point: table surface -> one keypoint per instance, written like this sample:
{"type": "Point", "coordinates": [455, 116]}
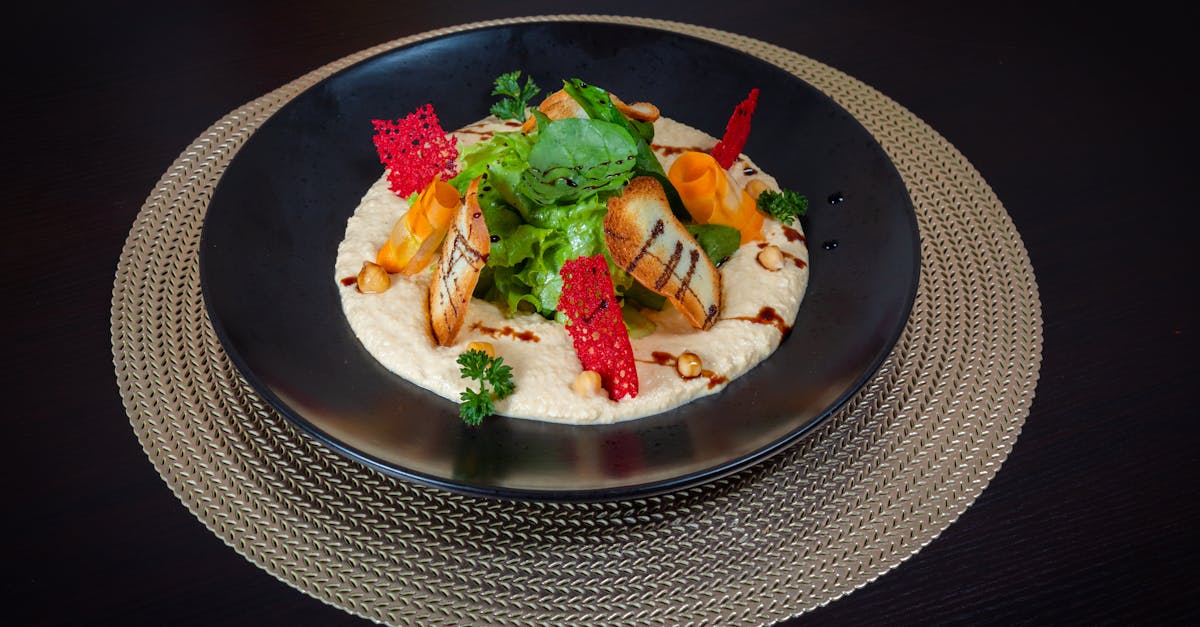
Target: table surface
{"type": "Point", "coordinates": [1076, 119]}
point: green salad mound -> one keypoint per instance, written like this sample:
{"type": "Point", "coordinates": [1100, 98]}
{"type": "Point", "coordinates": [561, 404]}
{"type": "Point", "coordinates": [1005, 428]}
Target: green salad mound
{"type": "Point", "coordinates": [544, 197]}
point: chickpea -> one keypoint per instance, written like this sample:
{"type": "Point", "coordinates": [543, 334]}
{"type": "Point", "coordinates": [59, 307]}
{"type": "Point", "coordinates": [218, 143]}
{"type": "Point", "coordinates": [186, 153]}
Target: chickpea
{"type": "Point", "coordinates": [688, 365]}
{"type": "Point", "coordinates": [483, 347]}
{"type": "Point", "coordinates": [755, 187]}
{"type": "Point", "coordinates": [373, 279]}
{"type": "Point", "coordinates": [586, 383]}
{"type": "Point", "coordinates": [770, 258]}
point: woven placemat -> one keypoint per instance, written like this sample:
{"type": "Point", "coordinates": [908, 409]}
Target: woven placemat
{"type": "Point", "coordinates": [876, 482]}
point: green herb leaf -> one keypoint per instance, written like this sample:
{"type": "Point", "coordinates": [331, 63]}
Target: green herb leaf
{"type": "Point", "coordinates": [489, 371]}
{"type": "Point", "coordinates": [475, 406]}
{"type": "Point", "coordinates": [500, 376]}
{"type": "Point", "coordinates": [718, 241]}
{"type": "Point", "coordinates": [474, 364]}
{"type": "Point", "coordinates": [784, 206]}
{"type": "Point", "coordinates": [516, 97]}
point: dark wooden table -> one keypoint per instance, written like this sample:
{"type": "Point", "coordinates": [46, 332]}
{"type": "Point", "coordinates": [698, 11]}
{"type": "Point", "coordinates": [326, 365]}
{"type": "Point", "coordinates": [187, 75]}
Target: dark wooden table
{"type": "Point", "coordinates": [1078, 119]}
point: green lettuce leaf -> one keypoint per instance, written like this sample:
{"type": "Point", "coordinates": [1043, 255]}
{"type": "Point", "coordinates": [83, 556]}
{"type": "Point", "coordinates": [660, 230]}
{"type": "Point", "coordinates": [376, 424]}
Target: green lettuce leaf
{"type": "Point", "coordinates": [577, 157]}
{"type": "Point", "coordinates": [544, 197]}
{"type": "Point", "coordinates": [599, 106]}
{"type": "Point", "coordinates": [511, 149]}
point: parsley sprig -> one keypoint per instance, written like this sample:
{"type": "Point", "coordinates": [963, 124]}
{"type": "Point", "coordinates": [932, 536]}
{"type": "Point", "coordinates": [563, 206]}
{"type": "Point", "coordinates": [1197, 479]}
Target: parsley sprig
{"type": "Point", "coordinates": [784, 206]}
{"type": "Point", "coordinates": [516, 97]}
{"type": "Point", "coordinates": [477, 365]}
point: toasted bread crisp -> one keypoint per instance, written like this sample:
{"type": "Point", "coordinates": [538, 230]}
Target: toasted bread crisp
{"type": "Point", "coordinates": [464, 252]}
{"type": "Point", "coordinates": [560, 106]}
{"type": "Point", "coordinates": [646, 239]}
{"type": "Point", "coordinates": [641, 111]}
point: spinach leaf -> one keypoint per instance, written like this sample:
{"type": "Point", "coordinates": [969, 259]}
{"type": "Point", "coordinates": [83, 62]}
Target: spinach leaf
{"type": "Point", "coordinates": [577, 157]}
{"type": "Point", "coordinates": [598, 105]}
{"type": "Point", "coordinates": [718, 241]}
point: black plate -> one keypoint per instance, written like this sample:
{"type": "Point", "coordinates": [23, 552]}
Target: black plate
{"type": "Point", "coordinates": [276, 218]}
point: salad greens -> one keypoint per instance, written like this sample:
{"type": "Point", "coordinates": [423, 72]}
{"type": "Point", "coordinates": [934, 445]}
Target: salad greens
{"type": "Point", "coordinates": [544, 197]}
{"type": "Point", "coordinates": [578, 158]}
{"type": "Point", "coordinates": [598, 105]}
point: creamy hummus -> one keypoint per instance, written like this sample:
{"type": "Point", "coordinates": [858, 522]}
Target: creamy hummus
{"type": "Point", "coordinates": [759, 305]}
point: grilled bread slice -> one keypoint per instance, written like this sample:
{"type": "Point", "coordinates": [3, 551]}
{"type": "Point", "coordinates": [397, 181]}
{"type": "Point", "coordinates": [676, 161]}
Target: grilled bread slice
{"type": "Point", "coordinates": [464, 251]}
{"type": "Point", "coordinates": [646, 239]}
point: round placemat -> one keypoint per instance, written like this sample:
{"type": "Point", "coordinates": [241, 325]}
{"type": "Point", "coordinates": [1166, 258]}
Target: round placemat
{"type": "Point", "coordinates": [875, 483]}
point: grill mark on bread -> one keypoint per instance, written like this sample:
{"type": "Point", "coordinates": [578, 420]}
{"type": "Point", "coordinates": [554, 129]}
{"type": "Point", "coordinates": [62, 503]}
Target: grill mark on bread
{"type": "Point", "coordinates": [461, 249]}
{"type": "Point", "coordinates": [669, 269]}
{"type": "Point", "coordinates": [652, 245]}
{"type": "Point", "coordinates": [464, 252]}
{"type": "Point", "coordinates": [654, 233]}
{"type": "Point", "coordinates": [685, 285]}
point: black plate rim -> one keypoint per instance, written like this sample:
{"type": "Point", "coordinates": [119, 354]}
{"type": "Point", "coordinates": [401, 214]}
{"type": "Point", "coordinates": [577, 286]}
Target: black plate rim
{"type": "Point", "coordinates": [626, 492]}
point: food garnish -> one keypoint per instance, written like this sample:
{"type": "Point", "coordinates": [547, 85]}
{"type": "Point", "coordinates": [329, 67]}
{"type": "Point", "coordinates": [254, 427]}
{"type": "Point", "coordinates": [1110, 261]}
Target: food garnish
{"type": "Point", "coordinates": [516, 97]}
{"type": "Point", "coordinates": [415, 149]}
{"type": "Point", "coordinates": [464, 252]}
{"type": "Point", "coordinates": [595, 326]}
{"type": "Point", "coordinates": [648, 242]}
{"type": "Point", "coordinates": [491, 372]}
{"type": "Point", "coordinates": [784, 206]}
{"type": "Point", "coordinates": [711, 198]}
{"type": "Point", "coordinates": [418, 234]}
{"type": "Point", "coordinates": [736, 131]}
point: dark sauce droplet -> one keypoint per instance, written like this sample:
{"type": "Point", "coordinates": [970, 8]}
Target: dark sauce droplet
{"type": "Point", "coordinates": [836, 198]}
{"type": "Point", "coordinates": [507, 331]}
{"type": "Point", "coordinates": [830, 244]}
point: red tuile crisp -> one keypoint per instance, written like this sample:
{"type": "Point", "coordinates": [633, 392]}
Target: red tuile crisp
{"type": "Point", "coordinates": [415, 149]}
{"type": "Point", "coordinates": [600, 337]}
{"type": "Point", "coordinates": [736, 131]}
